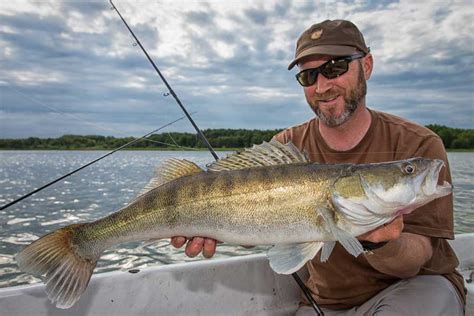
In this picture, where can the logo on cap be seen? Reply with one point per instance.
(316, 34)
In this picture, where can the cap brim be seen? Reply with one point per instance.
(331, 50)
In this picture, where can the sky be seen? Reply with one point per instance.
(71, 67)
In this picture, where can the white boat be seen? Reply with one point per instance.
(235, 286)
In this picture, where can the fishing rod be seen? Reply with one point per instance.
(171, 91)
(315, 306)
(88, 164)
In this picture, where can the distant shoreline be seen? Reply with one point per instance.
(126, 149)
(454, 139)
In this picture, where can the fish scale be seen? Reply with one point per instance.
(297, 206)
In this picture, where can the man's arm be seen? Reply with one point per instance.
(403, 255)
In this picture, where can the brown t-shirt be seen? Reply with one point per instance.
(345, 281)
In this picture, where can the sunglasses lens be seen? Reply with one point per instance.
(330, 70)
(333, 70)
(307, 77)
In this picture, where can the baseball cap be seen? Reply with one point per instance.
(330, 37)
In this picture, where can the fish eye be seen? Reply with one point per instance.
(409, 168)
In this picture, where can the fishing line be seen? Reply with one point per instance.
(171, 91)
(179, 146)
(206, 142)
(55, 110)
(88, 164)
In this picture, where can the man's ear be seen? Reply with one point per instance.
(368, 65)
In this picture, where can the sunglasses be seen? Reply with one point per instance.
(330, 69)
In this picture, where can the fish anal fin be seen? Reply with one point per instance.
(289, 258)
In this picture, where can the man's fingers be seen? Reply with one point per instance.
(209, 248)
(178, 241)
(194, 246)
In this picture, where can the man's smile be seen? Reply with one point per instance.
(328, 100)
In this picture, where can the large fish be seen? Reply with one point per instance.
(267, 195)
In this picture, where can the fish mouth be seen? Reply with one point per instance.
(430, 186)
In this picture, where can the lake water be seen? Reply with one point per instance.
(106, 186)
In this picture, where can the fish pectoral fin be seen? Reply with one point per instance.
(327, 250)
(289, 258)
(350, 243)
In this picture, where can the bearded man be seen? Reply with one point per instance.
(408, 267)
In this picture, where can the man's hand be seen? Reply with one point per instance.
(405, 253)
(387, 232)
(195, 245)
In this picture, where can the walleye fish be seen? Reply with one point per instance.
(267, 195)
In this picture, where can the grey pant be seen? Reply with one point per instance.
(421, 295)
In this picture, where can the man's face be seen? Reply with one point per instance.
(335, 100)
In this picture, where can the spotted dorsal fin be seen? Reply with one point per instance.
(265, 154)
(171, 169)
(176, 168)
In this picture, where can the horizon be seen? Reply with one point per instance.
(195, 133)
(69, 67)
(189, 132)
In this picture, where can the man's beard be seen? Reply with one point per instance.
(351, 103)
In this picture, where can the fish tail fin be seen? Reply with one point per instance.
(56, 260)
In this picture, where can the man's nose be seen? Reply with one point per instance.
(323, 84)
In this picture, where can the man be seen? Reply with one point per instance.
(409, 268)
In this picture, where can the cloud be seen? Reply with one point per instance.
(225, 60)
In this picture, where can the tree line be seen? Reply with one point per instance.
(453, 138)
(219, 138)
